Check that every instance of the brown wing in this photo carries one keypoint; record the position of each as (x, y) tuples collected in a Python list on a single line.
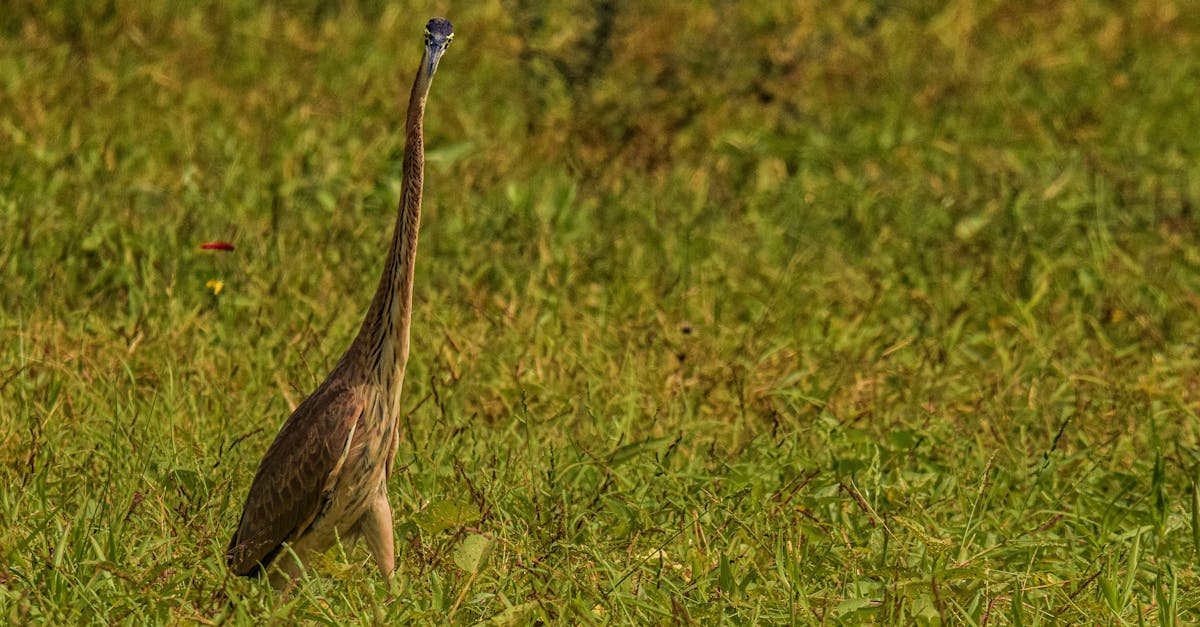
[(286, 494)]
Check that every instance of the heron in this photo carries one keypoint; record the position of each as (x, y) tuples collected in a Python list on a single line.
[(324, 478)]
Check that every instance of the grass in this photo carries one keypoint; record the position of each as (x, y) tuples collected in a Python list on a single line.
[(830, 313)]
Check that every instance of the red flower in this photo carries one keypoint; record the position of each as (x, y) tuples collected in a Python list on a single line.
[(216, 246)]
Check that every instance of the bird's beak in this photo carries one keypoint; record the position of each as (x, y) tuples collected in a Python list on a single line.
[(433, 54)]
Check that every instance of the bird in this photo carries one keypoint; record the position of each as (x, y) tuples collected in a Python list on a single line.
[(324, 478)]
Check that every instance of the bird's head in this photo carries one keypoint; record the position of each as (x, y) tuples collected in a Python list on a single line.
[(438, 33)]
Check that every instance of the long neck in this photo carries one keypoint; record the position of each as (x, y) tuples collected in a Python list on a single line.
[(383, 338)]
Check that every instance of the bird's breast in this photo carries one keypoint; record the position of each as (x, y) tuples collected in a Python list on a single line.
[(365, 469)]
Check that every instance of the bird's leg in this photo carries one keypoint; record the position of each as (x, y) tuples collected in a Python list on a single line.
[(287, 568), (376, 527)]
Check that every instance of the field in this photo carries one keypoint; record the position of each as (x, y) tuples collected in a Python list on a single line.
[(726, 313)]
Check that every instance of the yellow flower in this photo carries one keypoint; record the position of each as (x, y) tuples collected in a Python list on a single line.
[(216, 285)]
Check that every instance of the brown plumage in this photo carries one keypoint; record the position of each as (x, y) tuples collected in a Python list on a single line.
[(325, 475)]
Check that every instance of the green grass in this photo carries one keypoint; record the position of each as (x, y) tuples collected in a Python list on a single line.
[(839, 313)]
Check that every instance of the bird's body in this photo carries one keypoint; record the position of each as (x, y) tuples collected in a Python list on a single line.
[(324, 477)]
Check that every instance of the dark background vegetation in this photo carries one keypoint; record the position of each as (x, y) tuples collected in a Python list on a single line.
[(740, 312)]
